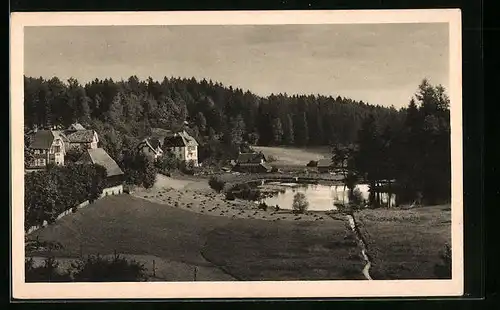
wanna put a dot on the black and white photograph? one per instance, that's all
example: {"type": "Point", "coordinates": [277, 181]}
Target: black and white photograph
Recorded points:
{"type": "Point", "coordinates": [266, 152]}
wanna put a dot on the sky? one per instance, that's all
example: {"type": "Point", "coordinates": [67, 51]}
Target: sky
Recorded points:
{"type": "Point", "coordinates": [378, 63]}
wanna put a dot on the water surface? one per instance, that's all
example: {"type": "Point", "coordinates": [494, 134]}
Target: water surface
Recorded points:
{"type": "Point", "coordinates": [320, 197]}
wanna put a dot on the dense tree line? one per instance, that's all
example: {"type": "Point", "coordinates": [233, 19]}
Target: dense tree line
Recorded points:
{"type": "Point", "coordinates": [415, 153]}
{"type": "Point", "coordinates": [220, 117]}
{"type": "Point", "coordinates": [50, 192]}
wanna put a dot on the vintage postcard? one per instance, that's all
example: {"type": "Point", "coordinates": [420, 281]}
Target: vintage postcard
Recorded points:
{"type": "Point", "coordinates": [262, 154]}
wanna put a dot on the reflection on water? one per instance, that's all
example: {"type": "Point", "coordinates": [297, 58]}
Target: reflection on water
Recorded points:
{"type": "Point", "coordinates": [320, 197]}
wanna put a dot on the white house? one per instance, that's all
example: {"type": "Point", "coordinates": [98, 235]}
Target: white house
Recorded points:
{"type": "Point", "coordinates": [183, 146]}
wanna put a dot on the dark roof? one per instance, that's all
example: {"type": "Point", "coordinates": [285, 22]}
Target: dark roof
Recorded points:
{"type": "Point", "coordinates": [42, 140]}
{"type": "Point", "coordinates": [151, 143]}
{"type": "Point", "coordinates": [250, 158]}
{"type": "Point", "coordinates": [179, 139]}
{"type": "Point", "coordinates": [173, 141]}
{"type": "Point", "coordinates": [155, 142]}
{"type": "Point", "coordinates": [325, 163]}
{"type": "Point", "coordinates": [81, 136]}
{"type": "Point", "coordinates": [100, 157]}
{"type": "Point", "coordinates": [251, 165]}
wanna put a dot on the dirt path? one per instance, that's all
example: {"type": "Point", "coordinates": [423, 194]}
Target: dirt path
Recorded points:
{"type": "Point", "coordinates": [354, 228]}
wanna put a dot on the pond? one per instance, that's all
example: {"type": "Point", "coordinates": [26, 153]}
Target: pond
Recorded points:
{"type": "Point", "coordinates": [320, 197]}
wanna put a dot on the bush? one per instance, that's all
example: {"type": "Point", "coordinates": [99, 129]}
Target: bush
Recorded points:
{"type": "Point", "coordinates": [274, 169]}
{"type": "Point", "coordinates": [230, 196]}
{"type": "Point", "coordinates": [47, 272]}
{"type": "Point", "coordinates": [312, 163]}
{"type": "Point", "coordinates": [167, 163]}
{"type": "Point", "coordinates": [244, 191]}
{"type": "Point", "coordinates": [100, 269]}
{"type": "Point", "coordinates": [262, 206]}
{"type": "Point", "coordinates": [356, 197]}
{"type": "Point", "coordinates": [216, 184]}
{"type": "Point", "coordinates": [300, 203]}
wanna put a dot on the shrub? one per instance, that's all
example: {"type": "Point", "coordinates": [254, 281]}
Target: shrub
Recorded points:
{"type": "Point", "coordinates": [216, 184]}
{"type": "Point", "coordinates": [47, 272]}
{"type": "Point", "coordinates": [262, 206]}
{"type": "Point", "coordinates": [230, 196]}
{"type": "Point", "coordinates": [356, 197]}
{"type": "Point", "coordinates": [300, 203]}
{"type": "Point", "coordinates": [244, 191]}
{"type": "Point", "coordinates": [117, 269]}
{"type": "Point", "coordinates": [274, 169]}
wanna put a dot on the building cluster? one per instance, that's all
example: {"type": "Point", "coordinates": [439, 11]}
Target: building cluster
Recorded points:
{"type": "Point", "coordinates": [50, 146]}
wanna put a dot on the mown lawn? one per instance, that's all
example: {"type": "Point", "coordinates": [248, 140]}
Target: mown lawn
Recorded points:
{"type": "Point", "coordinates": [405, 244]}
{"type": "Point", "coordinates": [248, 249]}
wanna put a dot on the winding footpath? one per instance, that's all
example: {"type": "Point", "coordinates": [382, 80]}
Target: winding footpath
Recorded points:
{"type": "Point", "coordinates": [354, 228]}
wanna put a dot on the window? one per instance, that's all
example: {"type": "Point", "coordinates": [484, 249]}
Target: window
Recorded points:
{"type": "Point", "coordinates": [42, 161]}
{"type": "Point", "coordinates": [37, 152]}
{"type": "Point", "coordinates": [57, 149]}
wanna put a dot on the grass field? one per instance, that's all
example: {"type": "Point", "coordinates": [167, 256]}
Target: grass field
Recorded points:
{"type": "Point", "coordinates": [290, 156]}
{"type": "Point", "coordinates": [222, 248]}
{"type": "Point", "coordinates": [405, 244]}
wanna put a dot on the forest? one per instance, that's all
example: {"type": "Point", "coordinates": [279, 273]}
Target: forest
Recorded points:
{"type": "Point", "coordinates": [411, 144]}
{"type": "Point", "coordinates": [124, 111]}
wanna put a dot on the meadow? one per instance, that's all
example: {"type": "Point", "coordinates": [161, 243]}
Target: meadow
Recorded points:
{"type": "Point", "coordinates": [222, 248]}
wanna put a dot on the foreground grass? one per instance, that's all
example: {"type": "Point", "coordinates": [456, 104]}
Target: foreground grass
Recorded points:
{"type": "Point", "coordinates": [255, 250]}
{"type": "Point", "coordinates": [405, 244]}
{"type": "Point", "coordinates": [247, 249]}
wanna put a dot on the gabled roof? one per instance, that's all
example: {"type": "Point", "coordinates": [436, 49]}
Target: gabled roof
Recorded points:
{"type": "Point", "coordinates": [100, 157]}
{"type": "Point", "coordinates": [179, 139]}
{"type": "Point", "coordinates": [81, 136]}
{"type": "Point", "coordinates": [42, 139]}
{"type": "Point", "coordinates": [250, 158]}
{"type": "Point", "coordinates": [325, 163]}
{"type": "Point", "coordinates": [60, 134]}
{"type": "Point", "coordinates": [76, 126]}
{"type": "Point", "coordinates": [153, 144]}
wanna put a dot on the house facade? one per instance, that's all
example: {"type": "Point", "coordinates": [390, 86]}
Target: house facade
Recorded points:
{"type": "Point", "coordinates": [47, 147]}
{"type": "Point", "coordinates": [114, 175]}
{"type": "Point", "coordinates": [251, 162]}
{"type": "Point", "coordinates": [183, 146]}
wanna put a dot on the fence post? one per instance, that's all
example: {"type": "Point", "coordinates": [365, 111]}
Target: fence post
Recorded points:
{"type": "Point", "coordinates": [195, 271]}
{"type": "Point", "coordinates": [154, 268]}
